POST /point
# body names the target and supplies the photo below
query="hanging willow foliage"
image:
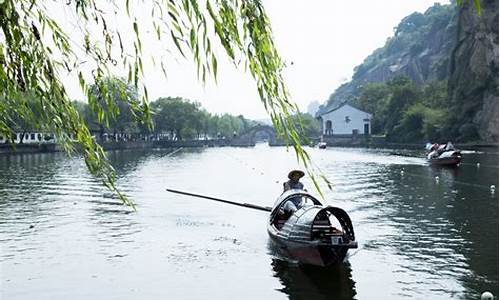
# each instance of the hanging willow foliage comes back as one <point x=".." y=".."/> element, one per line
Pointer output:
<point x="37" y="54"/>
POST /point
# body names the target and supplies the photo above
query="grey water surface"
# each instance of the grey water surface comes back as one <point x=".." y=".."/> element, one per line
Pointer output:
<point x="64" y="236"/>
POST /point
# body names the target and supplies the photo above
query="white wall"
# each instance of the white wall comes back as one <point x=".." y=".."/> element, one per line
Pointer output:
<point x="32" y="138"/>
<point x="29" y="138"/>
<point x="339" y="124"/>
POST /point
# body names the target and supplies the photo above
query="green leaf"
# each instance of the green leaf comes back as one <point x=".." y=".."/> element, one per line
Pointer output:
<point x="158" y="32"/>
<point x="176" y="42"/>
<point x="214" y="66"/>
<point x="192" y="37"/>
<point x="172" y="9"/>
<point x="81" y="81"/>
<point x="136" y="29"/>
<point x="477" y="4"/>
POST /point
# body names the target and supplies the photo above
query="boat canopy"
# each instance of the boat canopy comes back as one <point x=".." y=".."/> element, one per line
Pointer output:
<point x="293" y="194"/>
<point x="305" y="215"/>
<point x="290" y="194"/>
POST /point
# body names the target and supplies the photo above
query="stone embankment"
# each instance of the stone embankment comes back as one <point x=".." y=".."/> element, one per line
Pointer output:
<point x="49" y="147"/>
<point x="28" y="148"/>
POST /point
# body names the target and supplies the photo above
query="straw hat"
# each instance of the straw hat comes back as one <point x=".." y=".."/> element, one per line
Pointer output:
<point x="293" y="172"/>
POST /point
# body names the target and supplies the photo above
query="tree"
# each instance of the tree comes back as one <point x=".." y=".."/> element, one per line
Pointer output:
<point x="403" y="94"/>
<point x="407" y="112"/>
<point x="225" y="126"/>
<point x="25" y="120"/>
<point x="184" y="119"/>
<point x="204" y="118"/>
<point x="124" y="116"/>
<point x="213" y="126"/>
<point x="373" y="99"/>
<point x="419" y="124"/>
<point x="310" y="127"/>
<point x="178" y="117"/>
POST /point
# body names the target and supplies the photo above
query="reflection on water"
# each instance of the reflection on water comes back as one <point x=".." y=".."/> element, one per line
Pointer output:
<point x="309" y="282"/>
<point x="62" y="235"/>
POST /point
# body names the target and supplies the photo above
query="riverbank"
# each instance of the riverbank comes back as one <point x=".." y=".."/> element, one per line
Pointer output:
<point x="6" y="149"/>
<point x="466" y="146"/>
<point x="380" y="144"/>
<point x="29" y="148"/>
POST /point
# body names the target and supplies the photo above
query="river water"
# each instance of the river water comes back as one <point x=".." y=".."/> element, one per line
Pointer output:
<point x="64" y="236"/>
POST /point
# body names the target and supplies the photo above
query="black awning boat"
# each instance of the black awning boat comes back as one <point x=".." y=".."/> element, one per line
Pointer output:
<point x="443" y="155"/>
<point x="314" y="234"/>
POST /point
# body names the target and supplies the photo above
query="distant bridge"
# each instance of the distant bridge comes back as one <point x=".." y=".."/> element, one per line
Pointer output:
<point x="248" y="138"/>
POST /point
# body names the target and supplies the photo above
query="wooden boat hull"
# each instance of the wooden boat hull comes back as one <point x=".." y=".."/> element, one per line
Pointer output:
<point x="446" y="161"/>
<point x="315" y="254"/>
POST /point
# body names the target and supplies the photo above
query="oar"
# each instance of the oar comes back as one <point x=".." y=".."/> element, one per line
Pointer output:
<point x="247" y="205"/>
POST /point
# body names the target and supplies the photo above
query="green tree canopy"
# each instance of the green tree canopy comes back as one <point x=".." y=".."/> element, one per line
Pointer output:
<point x="183" y="119"/>
<point x="125" y="115"/>
<point x="406" y="112"/>
<point x="309" y="126"/>
<point x="177" y="116"/>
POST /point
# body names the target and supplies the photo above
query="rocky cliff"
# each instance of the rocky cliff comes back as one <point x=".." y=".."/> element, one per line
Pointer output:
<point x="473" y="80"/>
<point x="419" y="49"/>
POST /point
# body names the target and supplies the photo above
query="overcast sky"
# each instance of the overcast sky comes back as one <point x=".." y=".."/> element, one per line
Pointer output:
<point x="325" y="40"/>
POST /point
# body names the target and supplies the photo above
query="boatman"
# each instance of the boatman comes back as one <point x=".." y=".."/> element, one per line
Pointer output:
<point x="294" y="183"/>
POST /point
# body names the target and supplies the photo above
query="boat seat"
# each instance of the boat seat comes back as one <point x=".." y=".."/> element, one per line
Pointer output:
<point x="280" y="222"/>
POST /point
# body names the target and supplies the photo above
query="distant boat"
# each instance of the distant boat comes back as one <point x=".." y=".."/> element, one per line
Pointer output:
<point x="322" y="145"/>
<point x="314" y="234"/>
<point x="443" y="155"/>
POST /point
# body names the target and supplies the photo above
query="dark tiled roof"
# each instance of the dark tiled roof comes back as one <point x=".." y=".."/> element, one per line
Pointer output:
<point x="339" y="106"/>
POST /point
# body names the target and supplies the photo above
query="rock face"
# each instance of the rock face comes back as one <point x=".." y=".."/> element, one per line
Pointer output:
<point x="473" y="81"/>
<point x="419" y="49"/>
<point x="446" y="43"/>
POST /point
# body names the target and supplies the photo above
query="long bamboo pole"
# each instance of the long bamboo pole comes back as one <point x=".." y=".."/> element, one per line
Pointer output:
<point x="247" y="205"/>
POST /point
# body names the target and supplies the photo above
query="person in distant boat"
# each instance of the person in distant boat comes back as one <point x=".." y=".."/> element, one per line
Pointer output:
<point x="294" y="183"/>
<point x="449" y="146"/>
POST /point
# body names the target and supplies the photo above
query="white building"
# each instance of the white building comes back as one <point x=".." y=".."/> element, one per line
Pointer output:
<point x="30" y="138"/>
<point x="345" y="121"/>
